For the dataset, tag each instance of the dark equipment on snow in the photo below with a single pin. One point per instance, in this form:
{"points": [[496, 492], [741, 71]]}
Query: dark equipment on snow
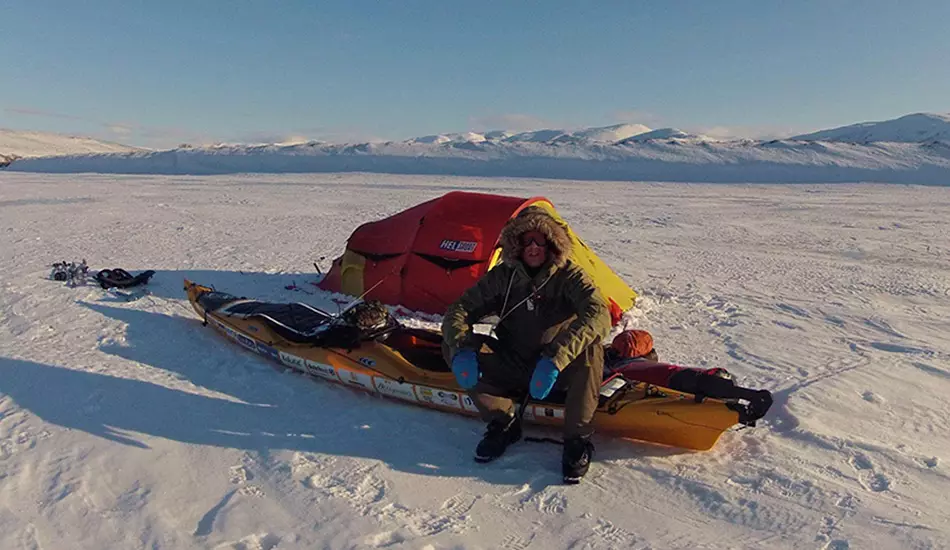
{"points": [[120, 278]]}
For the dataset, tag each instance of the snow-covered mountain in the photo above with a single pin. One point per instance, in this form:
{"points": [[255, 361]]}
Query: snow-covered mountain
{"points": [[917, 127], [612, 133], [664, 133], [914, 149], [651, 160], [605, 134], [14, 143], [439, 139]]}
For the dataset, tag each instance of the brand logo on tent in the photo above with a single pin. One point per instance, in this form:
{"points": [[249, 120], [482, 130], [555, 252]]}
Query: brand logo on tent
{"points": [[458, 246]]}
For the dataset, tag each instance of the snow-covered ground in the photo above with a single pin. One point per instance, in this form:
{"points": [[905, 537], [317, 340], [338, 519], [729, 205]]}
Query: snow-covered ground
{"points": [[129, 425]]}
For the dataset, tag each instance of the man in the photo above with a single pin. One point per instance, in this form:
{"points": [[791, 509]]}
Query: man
{"points": [[552, 320]]}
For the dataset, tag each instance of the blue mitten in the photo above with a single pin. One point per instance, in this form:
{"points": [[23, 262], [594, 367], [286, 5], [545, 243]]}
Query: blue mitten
{"points": [[543, 379], [465, 368]]}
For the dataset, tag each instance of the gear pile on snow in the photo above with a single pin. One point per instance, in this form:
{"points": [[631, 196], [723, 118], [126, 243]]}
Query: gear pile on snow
{"points": [[114, 280], [72, 273]]}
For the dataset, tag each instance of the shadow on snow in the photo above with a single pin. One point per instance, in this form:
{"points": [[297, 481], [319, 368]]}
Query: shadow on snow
{"points": [[242, 401]]}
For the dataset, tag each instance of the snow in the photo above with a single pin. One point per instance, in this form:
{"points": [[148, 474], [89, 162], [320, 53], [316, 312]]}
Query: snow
{"points": [[42, 144], [918, 127], [612, 133], [666, 133], [129, 425]]}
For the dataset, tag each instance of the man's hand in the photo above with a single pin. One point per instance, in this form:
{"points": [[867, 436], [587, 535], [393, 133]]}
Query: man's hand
{"points": [[465, 368], [543, 379]]}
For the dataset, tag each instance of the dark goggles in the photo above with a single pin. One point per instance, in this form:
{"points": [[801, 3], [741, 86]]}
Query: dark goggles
{"points": [[538, 240]]}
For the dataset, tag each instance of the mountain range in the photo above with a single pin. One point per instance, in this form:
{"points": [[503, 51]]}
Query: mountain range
{"points": [[911, 149]]}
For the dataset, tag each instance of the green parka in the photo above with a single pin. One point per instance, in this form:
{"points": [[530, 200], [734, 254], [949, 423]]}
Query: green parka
{"points": [[557, 313]]}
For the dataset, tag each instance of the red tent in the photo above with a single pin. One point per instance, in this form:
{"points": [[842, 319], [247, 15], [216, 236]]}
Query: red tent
{"points": [[425, 257]]}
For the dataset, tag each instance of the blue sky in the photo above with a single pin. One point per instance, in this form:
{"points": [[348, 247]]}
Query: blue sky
{"points": [[163, 73]]}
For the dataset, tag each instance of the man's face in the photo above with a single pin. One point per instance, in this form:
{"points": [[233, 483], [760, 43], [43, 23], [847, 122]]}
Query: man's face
{"points": [[534, 250]]}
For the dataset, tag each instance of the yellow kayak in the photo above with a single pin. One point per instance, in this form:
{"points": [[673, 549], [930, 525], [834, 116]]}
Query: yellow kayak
{"points": [[406, 364]]}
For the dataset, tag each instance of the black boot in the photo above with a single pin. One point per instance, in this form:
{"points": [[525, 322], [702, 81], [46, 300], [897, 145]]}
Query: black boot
{"points": [[578, 453], [499, 434]]}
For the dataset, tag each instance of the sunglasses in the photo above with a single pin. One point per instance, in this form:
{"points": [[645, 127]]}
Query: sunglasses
{"points": [[525, 241]]}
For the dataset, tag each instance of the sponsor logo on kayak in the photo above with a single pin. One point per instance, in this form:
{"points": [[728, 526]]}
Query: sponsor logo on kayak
{"points": [[364, 381], [439, 397], [458, 246], [227, 331], [368, 361], [550, 412], [468, 404], [322, 370], [252, 328], [293, 361], [249, 343], [392, 388], [264, 349]]}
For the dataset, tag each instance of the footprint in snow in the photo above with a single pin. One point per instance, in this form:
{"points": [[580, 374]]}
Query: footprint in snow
{"points": [[239, 474], [872, 397], [867, 477], [261, 541], [860, 462]]}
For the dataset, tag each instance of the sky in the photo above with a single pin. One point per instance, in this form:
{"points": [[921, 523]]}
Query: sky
{"points": [[158, 74]]}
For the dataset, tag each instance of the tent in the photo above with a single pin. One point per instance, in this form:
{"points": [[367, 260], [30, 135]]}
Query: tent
{"points": [[425, 257]]}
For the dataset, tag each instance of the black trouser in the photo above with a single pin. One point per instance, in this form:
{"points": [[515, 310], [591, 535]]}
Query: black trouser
{"points": [[504, 375]]}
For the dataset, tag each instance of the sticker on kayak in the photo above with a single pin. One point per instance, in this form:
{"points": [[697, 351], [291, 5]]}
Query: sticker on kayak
{"points": [[468, 404], [322, 370], [246, 342], [268, 351], [439, 397], [528, 412], [548, 412], [293, 361], [358, 379], [392, 388], [228, 331]]}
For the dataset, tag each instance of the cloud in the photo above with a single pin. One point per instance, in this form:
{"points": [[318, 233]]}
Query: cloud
{"points": [[516, 122], [119, 129], [303, 135], [27, 111], [637, 117], [746, 132]]}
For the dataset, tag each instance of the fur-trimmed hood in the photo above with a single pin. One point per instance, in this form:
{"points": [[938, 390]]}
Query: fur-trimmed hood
{"points": [[535, 218]]}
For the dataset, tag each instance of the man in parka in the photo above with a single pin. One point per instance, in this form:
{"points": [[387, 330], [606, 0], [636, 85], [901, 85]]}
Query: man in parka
{"points": [[552, 320]]}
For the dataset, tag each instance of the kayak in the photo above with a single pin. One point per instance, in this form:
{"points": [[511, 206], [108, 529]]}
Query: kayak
{"points": [[406, 364]]}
